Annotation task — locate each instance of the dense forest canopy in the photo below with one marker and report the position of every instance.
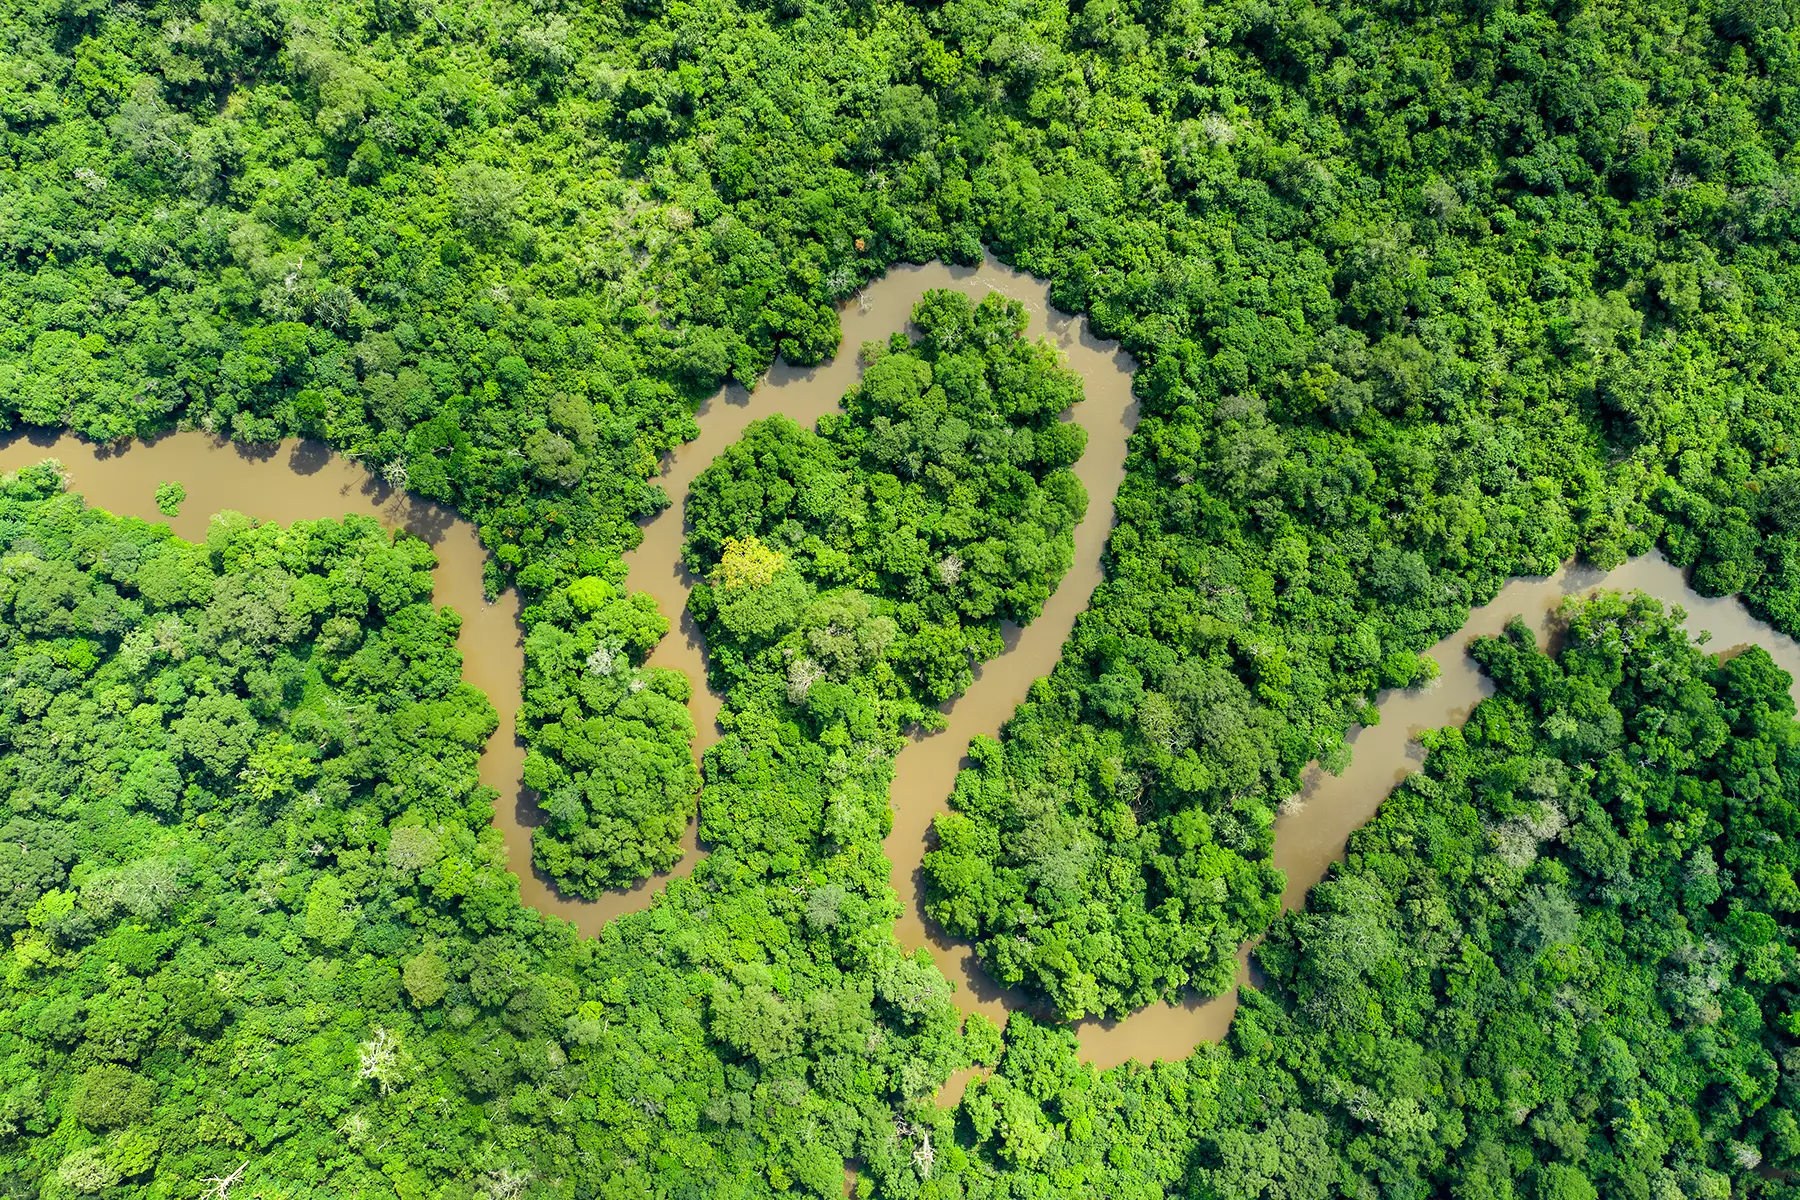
(942, 488)
(258, 916)
(1421, 300)
(1421, 295)
(257, 912)
(1421, 303)
(1560, 962)
(610, 759)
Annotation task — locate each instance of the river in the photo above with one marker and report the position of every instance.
(301, 480)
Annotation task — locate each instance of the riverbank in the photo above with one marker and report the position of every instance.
(299, 480)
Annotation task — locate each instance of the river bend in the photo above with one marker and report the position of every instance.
(302, 480)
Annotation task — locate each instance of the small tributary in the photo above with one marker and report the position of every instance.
(301, 480)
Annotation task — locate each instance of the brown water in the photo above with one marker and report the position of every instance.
(1314, 826)
(927, 768)
(302, 480)
(297, 480)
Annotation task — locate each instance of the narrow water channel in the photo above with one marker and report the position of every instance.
(301, 480)
(805, 394)
(1311, 832)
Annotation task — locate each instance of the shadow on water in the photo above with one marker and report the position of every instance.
(308, 458)
(256, 452)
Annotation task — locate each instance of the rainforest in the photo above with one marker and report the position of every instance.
(1247, 348)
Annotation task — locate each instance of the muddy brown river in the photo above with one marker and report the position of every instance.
(300, 480)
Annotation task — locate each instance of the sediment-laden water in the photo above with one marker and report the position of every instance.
(303, 480)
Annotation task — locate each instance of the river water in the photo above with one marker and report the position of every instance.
(303, 480)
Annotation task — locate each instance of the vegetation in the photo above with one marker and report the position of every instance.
(1421, 296)
(245, 838)
(260, 922)
(943, 489)
(169, 497)
(1577, 913)
(495, 254)
(1559, 963)
(1421, 302)
(609, 740)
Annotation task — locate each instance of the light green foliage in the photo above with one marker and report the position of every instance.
(1420, 300)
(307, 952)
(745, 563)
(108, 1096)
(1535, 975)
(328, 918)
(1420, 297)
(169, 495)
(426, 978)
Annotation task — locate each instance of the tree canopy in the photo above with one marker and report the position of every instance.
(258, 917)
(1421, 296)
(943, 489)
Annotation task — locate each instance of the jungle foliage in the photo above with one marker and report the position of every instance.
(943, 489)
(610, 756)
(1421, 298)
(1423, 295)
(1561, 959)
(258, 917)
(1560, 962)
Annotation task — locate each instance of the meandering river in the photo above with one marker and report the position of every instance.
(302, 480)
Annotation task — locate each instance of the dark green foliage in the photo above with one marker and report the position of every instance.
(1421, 296)
(256, 914)
(1561, 958)
(1421, 300)
(1561, 961)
